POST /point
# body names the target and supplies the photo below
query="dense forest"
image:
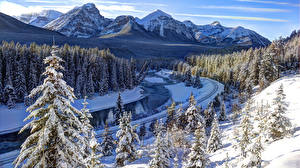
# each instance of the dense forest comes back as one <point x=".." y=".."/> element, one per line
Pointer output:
<point x="88" y="71"/>
<point x="245" y="69"/>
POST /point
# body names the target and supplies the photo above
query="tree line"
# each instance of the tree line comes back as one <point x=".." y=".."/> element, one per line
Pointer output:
<point x="88" y="71"/>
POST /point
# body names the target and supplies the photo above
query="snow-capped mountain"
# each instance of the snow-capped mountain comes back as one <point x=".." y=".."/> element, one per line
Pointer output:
<point x="84" y="21"/>
<point x="39" y="19"/>
<point x="122" y="24"/>
<point x="216" y="34"/>
<point x="163" y="24"/>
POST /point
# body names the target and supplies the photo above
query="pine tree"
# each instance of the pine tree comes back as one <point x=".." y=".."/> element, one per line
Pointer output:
<point x="278" y="125"/>
<point x="223" y="116"/>
<point x="119" y="109"/>
<point x="126" y="150"/>
<point x="214" y="141"/>
<point x="209" y="115"/>
<point x="198" y="157"/>
<point x="188" y="77"/>
<point x="246" y="127"/>
<point x="226" y="164"/>
<point x="160" y="158"/>
<point x="197" y="82"/>
<point x="192" y="115"/>
<point x="142" y="133"/>
<point x="254" y="159"/>
<point x="91" y="155"/>
<point x="55" y="129"/>
<point x="171" y="115"/>
<point x="10" y="96"/>
<point x="107" y="144"/>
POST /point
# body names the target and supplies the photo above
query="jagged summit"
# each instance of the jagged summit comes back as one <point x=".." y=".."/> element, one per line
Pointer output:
<point x="84" y="21"/>
<point x="215" y="23"/>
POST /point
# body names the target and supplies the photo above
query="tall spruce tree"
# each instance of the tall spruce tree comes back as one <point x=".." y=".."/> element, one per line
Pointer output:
<point x="245" y="130"/>
<point x="193" y="115"/>
<point x="119" y="109"/>
<point x="214" y="142"/>
<point x="278" y="125"/>
<point x="126" y="151"/>
<point x="55" y="139"/>
<point x="222" y="116"/>
<point x="171" y="115"/>
<point x="107" y="144"/>
<point x="198" y="158"/>
<point x="160" y="158"/>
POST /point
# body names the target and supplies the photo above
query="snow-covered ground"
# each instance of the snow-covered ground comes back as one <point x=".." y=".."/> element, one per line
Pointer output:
<point x="154" y="80"/>
<point x="284" y="153"/>
<point x="180" y="92"/>
<point x="165" y="73"/>
<point x="11" y="120"/>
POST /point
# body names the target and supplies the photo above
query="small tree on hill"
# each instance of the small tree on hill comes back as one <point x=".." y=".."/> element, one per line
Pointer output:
<point x="198" y="157"/>
<point x="278" y="125"/>
<point x="222" y="116"/>
<point x="214" y="141"/>
<point x="160" y="158"/>
<point x="119" y="109"/>
<point x="126" y="150"/>
<point x="107" y="144"/>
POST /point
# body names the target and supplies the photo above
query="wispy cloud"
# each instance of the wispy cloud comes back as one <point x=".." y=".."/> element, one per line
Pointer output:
<point x="242" y="8"/>
<point x="232" y="17"/>
<point x="14" y="9"/>
<point x="45" y="1"/>
<point x="270" y="2"/>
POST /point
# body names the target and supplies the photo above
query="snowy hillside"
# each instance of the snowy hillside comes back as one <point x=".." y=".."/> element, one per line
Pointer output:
<point x="39" y="19"/>
<point x="283" y="153"/>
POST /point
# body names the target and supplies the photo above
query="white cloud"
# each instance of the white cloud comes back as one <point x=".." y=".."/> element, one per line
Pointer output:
<point x="14" y="9"/>
<point x="232" y="17"/>
<point x="242" y="8"/>
<point x="270" y="2"/>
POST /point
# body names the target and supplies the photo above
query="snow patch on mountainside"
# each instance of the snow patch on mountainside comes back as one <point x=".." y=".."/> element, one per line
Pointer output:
<point x="39" y="19"/>
<point x="84" y="21"/>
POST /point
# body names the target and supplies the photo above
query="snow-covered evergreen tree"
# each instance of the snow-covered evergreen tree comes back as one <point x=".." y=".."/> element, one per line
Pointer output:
<point x="92" y="155"/>
<point x="214" y="141"/>
<point x="126" y="150"/>
<point x="198" y="157"/>
<point x="142" y="133"/>
<point x="254" y="154"/>
<point x="160" y="158"/>
<point x="209" y="115"/>
<point x="119" y="109"/>
<point x="222" y="116"/>
<point x="245" y="130"/>
<point x="55" y="139"/>
<point x="10" y="96"/>
<point x="107" y="144"/>
<point x="171" y="115"/>
<point x="192" y="115"/>
<point x="278" y="125"/>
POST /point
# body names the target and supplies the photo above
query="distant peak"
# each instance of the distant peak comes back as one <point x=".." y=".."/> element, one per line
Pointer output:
<point x="89" y="5"/>
<point x="157" y="13"/>
<point x="215" y="23"/>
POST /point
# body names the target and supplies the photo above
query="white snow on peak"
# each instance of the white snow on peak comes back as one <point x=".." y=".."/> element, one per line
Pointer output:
<point x="156" y="14"/>
<point x="215" y="23"/>
<point x="39" y="19"/>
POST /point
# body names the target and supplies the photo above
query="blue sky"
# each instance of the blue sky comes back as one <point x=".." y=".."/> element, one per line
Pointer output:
<point x="270" y="18"/>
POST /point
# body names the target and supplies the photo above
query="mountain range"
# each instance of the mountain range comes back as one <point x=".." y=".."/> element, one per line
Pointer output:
<point x="86" y="22"/>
